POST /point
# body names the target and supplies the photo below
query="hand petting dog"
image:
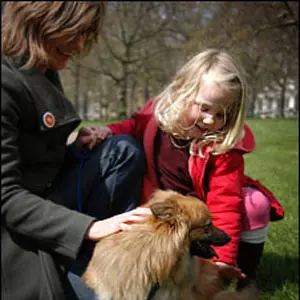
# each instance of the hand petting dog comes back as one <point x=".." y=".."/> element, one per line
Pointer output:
<point x="104" y="228"/>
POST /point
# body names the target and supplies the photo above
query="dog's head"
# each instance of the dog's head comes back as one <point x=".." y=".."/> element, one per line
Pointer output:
<point x="174" y="208"/>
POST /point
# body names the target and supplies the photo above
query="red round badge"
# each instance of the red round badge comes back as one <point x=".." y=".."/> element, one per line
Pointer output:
<point x="48" y="119"/>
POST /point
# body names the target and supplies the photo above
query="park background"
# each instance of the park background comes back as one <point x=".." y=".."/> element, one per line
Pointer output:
<point x="141" y="47"/>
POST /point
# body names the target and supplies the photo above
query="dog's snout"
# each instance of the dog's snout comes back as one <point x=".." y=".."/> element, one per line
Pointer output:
<point x="218" y="237"/>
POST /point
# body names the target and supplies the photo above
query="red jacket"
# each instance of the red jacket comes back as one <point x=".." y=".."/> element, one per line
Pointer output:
<point x="217" y="179"/>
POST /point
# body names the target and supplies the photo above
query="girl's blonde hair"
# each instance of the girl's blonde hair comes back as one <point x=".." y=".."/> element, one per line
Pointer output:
<point x="28" y="25"/>
<point x="172" y="104"/>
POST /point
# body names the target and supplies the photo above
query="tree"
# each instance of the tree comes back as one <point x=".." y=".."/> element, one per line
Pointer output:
<point x="254" y="32"/>
<point x="144" y="43"/>
<point x="127" y="42"/>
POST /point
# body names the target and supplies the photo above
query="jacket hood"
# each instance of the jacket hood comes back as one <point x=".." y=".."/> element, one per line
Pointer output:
<point x="247" y="143"/>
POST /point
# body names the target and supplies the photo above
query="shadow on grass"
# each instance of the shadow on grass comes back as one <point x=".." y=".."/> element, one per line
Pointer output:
<point x="278" y="270"/>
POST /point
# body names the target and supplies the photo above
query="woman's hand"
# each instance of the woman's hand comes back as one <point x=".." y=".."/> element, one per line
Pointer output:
<point x="89" y="137"/>
<point x="103" y="228"/>
<point x="228" y="271"/>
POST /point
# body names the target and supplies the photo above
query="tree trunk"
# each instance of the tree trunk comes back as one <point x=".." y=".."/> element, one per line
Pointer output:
<point x="85" y="106"/>
<point x="282" y="101"/>
<point x="122" y="100"/>
<point x="251" y="107"/>
<point x="146" y="92"/>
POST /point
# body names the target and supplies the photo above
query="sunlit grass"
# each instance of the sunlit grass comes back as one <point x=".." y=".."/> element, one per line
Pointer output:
<point x="275" y="163"/>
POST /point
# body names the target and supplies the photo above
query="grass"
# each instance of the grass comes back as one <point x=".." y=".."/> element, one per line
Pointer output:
<point x="275" y="164"/>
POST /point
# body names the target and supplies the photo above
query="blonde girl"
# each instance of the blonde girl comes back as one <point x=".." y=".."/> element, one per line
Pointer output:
<point x="194" y="136"/>
<point x="205" y="70"/>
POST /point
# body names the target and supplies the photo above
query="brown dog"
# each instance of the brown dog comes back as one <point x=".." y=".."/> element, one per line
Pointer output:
<point x="128" y="264"/>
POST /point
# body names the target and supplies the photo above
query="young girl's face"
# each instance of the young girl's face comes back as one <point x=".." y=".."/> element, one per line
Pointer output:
<point x="208" y="110"/>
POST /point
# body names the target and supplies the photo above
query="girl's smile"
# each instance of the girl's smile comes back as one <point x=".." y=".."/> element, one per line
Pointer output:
<point x="207" y="113"/>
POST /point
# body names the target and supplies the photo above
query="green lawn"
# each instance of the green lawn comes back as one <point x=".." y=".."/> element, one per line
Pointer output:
<point x="275" y="164"/>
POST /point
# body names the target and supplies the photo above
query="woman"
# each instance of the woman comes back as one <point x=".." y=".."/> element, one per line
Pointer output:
<point x="44" y="182"/>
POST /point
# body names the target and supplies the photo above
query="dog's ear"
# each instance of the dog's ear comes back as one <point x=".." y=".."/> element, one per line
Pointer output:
<point x="163" y="211"/>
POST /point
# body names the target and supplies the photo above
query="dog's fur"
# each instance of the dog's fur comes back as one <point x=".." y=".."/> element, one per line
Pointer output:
<point x="128" y="264"/>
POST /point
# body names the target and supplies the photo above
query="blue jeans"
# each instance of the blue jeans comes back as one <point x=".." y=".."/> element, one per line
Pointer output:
<point x="106" y="183"/>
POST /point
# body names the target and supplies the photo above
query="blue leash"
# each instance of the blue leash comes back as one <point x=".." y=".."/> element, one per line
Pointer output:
<point x="83" y="157"/>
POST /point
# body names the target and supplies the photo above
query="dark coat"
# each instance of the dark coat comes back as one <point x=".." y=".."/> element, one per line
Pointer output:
<point x="38" y="235"/>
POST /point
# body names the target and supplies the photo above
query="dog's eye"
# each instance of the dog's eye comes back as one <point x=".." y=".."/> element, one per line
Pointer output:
<point x="207" y="228"/>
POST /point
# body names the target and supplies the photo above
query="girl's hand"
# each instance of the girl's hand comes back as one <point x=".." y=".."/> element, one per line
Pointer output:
<point x="103" y="228"/>
<point x="228" y="271"/>
<point x="86" y="138"/>
<point x="103" y="132"/>
<point x="91" y="136"/>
